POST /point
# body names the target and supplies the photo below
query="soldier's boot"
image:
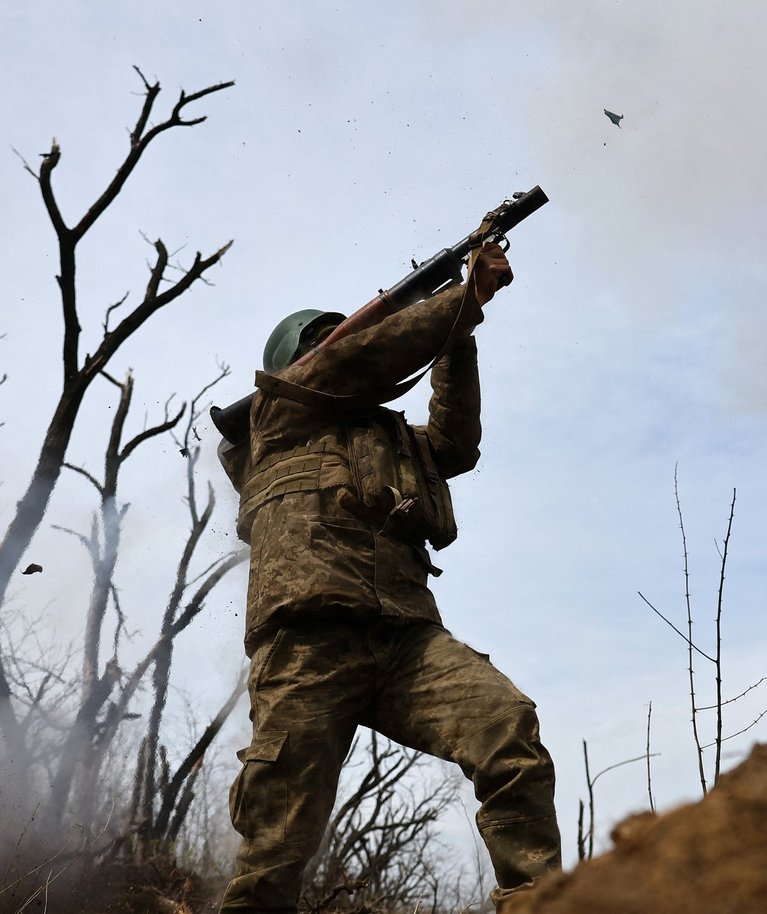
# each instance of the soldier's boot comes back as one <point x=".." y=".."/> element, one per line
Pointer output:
<point x="508" y="902"/>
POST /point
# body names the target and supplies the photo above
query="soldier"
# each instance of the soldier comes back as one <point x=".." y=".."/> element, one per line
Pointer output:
<point x="338" y="499"/>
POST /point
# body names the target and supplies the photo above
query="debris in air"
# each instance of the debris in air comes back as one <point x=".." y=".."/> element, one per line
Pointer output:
<point x="615" y="118"/>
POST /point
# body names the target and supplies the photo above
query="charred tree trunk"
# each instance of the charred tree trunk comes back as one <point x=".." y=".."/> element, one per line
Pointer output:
<point x="29" y="512"/>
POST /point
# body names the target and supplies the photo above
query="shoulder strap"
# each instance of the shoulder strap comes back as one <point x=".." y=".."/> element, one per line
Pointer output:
<point x="321" y="399"/>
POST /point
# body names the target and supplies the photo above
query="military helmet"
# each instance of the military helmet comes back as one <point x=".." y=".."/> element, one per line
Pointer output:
<point x="296" y="334"/>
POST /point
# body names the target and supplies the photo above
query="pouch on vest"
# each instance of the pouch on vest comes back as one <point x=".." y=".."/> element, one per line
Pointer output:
<point x="397" y="479"/>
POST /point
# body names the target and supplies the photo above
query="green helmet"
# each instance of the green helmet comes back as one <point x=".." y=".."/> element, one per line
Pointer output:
<point x="296" y="334"/>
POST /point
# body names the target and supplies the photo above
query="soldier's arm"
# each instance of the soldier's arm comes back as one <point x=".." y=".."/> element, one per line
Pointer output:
<point x="454" y="427"/>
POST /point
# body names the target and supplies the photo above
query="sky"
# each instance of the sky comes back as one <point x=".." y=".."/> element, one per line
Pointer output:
<point x="631" y="346"/>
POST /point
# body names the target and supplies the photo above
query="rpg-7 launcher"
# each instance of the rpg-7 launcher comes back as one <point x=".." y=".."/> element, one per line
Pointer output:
<point x="427" y="278"/>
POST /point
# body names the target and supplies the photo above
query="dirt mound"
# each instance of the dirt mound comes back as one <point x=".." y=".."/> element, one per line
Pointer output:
<point x="706" y="858"/>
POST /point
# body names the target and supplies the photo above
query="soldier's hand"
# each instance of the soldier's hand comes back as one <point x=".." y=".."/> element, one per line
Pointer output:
<point x="491" y="272"/>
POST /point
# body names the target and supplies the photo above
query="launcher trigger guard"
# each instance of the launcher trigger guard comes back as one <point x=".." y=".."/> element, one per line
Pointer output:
<point x="500" y="239"/>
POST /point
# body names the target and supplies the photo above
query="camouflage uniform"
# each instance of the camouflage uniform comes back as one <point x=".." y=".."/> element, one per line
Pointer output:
<point x="342" y="629"/>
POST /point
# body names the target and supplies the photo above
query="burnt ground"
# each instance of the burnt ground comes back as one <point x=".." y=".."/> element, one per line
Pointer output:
<point x="706" y="858"/>
<point x="155" y="887"/>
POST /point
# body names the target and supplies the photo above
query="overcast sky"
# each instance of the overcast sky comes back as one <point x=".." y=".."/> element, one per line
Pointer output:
<point x="359" y="135"/>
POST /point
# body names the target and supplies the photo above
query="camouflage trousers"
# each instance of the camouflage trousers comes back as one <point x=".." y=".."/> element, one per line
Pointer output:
<point x="312" y="684"/>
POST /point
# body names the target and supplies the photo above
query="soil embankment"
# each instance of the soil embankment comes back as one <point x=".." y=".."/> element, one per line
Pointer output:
<point x="706" y="858"/>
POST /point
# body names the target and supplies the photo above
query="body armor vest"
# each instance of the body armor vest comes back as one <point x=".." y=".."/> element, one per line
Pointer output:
<point x="385" y="474"/>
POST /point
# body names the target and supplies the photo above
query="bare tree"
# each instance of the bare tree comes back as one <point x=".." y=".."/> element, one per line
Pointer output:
<point x="173" y="795"/>
<point x="102" y="545"/>
<point x="380" y="850"/>
<point x="73" y="724"/>
<point x="186" y="601"/>
<point x="587" y="833"/>
<point x="155" y="825"/>
<point x="713" y="656"/>
<point x="79" y="372"/>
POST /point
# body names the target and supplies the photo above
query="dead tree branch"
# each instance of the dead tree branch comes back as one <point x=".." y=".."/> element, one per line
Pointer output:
<point x="381" y="833"/>
<point x="729" y="701"/>
<point x="690" y="668"/>
<point x="739" y="732"/>
<point x="648" y="756"/>
<point x="668" y="622"/>
<point x="586" y="842"/>
<point x="192" y="762"/>
<point x="719" y="604"/>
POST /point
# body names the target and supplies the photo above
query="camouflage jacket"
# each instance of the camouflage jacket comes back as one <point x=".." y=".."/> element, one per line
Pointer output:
<point x="311" y="550"/>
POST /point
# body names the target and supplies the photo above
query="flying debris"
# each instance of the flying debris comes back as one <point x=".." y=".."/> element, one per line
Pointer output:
<point x="32" y="569"/>
<point x="615" y="118"/>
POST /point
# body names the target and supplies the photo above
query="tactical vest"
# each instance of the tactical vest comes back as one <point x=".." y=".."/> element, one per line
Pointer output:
<point x="385" y="474"/>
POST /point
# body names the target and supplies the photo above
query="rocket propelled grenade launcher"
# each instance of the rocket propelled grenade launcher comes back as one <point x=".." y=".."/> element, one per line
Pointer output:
<point x="434" y="274"/>
<point x="445" y="266"/>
